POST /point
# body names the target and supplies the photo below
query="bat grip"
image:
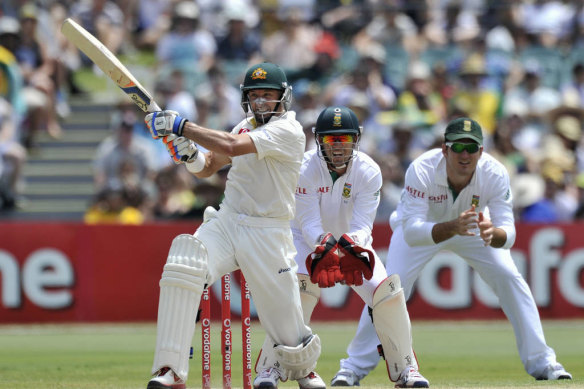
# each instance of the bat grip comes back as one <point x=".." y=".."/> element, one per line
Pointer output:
<point x="153" y="107"/>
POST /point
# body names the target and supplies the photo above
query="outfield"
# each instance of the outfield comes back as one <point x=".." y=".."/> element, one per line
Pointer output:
<point x="452" y="355"/>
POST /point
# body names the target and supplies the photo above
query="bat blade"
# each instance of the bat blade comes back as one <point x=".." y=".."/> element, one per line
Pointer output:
<point x="109" y="64"/>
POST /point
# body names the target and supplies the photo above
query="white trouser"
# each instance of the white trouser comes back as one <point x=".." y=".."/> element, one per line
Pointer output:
<point x="262" y="248"/>
<point x="496" y="268"/>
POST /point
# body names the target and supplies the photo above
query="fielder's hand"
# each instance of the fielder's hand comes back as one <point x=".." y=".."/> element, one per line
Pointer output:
<point x="323" y="264"/>
<point x="164" y="123"/>
<point x="181" y="149"/>
<point x="356" y="262"/>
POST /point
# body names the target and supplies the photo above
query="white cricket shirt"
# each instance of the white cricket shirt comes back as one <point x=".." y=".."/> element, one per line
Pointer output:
<point x="262" y="184"/>
<point x="427" y="200"/>
<point x="346" y="207"/>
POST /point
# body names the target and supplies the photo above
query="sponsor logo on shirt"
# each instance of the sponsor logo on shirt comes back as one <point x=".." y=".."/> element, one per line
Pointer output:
<point x="347" y="190"/>
<point x="438" y="199"/>
<point x="324" y="189"/>
<point x="284" y="270"/>
<point x="300" y="190"/>
<point x="243" y="130"/>
<point x="415" y="193"/>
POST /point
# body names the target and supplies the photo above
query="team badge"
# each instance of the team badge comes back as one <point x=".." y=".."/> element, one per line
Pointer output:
<point x="475" y="201"/>
<point x="347" y="190"/>
<point x="467" y="126"/>
<point x="259" y="74"/>
<point x="337" y="118"/>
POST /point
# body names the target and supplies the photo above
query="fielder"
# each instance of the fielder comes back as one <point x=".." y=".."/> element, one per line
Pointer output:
<point x="458" y="198"/>
<point x="250" y="231"/>
<point x="336" y="201"/>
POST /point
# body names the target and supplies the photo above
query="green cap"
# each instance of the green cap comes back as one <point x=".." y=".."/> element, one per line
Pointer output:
<point x="337" y="120"/>
<point x="264" y="75"/>
<point x="463" y="128"/>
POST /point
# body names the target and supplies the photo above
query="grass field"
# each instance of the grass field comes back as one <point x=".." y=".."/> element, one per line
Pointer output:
<point x="116" y="356"/>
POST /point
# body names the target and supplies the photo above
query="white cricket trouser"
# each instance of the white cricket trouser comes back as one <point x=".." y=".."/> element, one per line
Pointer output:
<point x="262" y="248"/>
<point x="496" y="268"/>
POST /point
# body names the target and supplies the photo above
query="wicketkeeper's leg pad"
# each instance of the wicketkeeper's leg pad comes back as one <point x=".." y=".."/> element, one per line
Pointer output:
<point x="297" y="362"/>
<point x="393" y="327"/>
<point x="181" y="286"/>
<point x="309" y="296"/>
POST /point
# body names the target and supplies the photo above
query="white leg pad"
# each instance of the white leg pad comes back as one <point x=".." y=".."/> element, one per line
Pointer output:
<point x="297" y="362"/>
<point x="309" y="296"/>
<point x="181" y="287"/>
<point x="393" y="327"/>
<point x="267" y="357"/>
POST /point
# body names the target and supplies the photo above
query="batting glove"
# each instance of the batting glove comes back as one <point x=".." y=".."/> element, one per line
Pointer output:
<point x="181" y="149"/>
<point x="164" y="123"/>
<point x="356" y="262"/>
<point x="323" y="264"/>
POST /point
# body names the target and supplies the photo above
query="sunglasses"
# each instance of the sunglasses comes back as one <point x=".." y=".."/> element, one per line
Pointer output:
<point x="337" y="138"/>
<point x="458" y="148"/>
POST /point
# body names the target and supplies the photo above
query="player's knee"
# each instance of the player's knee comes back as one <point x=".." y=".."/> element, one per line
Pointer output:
<point x="388" y="288"/>
<point x="186" y="264"/>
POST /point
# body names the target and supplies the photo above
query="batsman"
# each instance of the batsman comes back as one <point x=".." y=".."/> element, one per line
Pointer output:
<point x="336" y="202"/>
<point x="250" y="230"/>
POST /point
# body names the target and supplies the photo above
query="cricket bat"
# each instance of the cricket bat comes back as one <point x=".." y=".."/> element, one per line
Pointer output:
<point x="109" y="64"/>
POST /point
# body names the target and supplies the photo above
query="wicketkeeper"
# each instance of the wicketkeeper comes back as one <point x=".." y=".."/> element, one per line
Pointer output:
<point x="336" y="202"/>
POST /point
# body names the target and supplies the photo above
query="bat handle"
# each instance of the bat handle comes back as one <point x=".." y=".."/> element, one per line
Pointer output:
<point x="153" y="107"/>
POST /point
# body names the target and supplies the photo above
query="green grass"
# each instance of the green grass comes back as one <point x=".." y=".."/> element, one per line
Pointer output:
<point x="452" y="355"/>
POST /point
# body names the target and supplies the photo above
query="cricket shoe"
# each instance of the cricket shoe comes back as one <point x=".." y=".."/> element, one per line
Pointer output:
<point x="267" y="379"/>
<point x="311" y="381"/>
<point x="345" y="377"/>
<point x="166" y="379"/>
<point x="555" y="372"/>
<point x="411" y="378"/>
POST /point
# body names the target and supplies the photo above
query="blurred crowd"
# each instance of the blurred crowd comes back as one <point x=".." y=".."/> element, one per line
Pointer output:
<point x="406" y="67"/>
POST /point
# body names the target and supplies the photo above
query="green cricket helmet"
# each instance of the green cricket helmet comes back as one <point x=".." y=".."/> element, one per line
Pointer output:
<point x="266" y="75"/>
<point x="336" y="121"/>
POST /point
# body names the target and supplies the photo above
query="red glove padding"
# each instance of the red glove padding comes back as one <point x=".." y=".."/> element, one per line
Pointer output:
<point x="323" y="264"/>
<point x="356" y="261"/>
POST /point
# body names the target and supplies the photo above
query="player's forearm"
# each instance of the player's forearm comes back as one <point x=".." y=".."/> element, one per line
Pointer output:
<point x="499" y="238"/>
<point x="443" y="231"/>
<point x="218" y="141"/>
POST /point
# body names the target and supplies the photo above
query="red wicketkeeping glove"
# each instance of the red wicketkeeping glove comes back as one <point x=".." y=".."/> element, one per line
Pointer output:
<point x="356" y="262"/>
<point x="323" y="264"/>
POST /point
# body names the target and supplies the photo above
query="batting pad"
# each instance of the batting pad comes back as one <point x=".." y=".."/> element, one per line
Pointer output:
<point x="181" y="287"/>
<point x="393" y="327"/>
<point x="267" y="357"/>
<point x="297" y="362"/>
<point x="309" y="295"/>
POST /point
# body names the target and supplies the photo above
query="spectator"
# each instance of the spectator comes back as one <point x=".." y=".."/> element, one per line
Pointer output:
<point x="12" y="157"/>
<point x="175" y="197"/>
<point x="241" y="43"/>
<point x="186" y="46"/>
<point x="539" y="101"/>
<point x="39" y="72"/>
<point x="473" y="97"/>
<point x="103" y="19"/>
<point x="110" y="206"/>
<point x="120" y="148"/>
<point x="152" y="20"/>
<point x="390" y="26"/>
<point x="292" y="46"/>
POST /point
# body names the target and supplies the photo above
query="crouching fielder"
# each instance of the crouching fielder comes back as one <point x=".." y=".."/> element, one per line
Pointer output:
<point x="334" y="245"/>
<point x="265" y="153"/>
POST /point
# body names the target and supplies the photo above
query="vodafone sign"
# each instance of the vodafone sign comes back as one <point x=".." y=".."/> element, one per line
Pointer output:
<point x="69" y="272"/>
